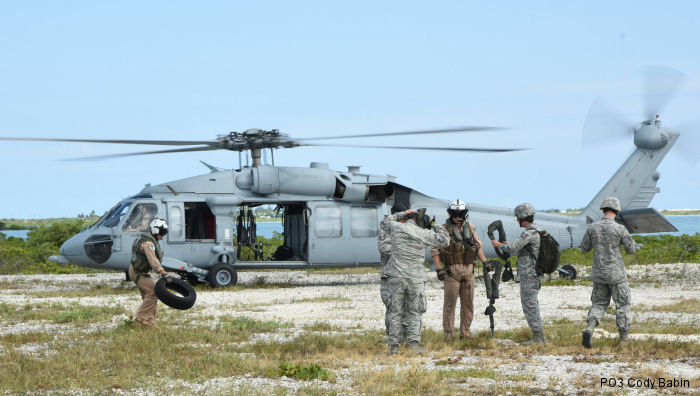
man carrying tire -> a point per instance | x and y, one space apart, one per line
608 274
146 256
455 266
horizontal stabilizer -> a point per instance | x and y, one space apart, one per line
645 220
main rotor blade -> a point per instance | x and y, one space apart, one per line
418 132
119 141
660 84
602 125
481 150
103 157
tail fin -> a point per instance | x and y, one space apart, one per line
634 184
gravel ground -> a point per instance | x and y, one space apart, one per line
351 302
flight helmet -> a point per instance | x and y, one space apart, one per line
457 209
158 227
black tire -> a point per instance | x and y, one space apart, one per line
183 298
222 275
571 270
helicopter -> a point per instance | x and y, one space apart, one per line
330 218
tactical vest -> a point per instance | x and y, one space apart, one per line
138 258
460 250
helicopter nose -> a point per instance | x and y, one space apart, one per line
73 249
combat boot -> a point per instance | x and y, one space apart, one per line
586 338
537 338
394 349
416 348
623 336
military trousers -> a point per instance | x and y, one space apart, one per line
459 285
385 294
529 289
149 305
407 298
600 299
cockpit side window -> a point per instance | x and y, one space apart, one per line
140 217
117 214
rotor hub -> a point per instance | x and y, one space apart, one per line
255 139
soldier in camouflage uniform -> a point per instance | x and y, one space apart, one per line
458 261
609 276
146 256
527 248
407 274
384 242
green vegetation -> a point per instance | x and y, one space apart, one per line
269 246
27 224
31 256
672 212
303 372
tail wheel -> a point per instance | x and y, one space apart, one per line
222 275
571 272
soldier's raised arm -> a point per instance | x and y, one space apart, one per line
438 237
388 221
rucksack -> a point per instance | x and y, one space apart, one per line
549 255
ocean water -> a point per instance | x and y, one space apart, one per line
686 224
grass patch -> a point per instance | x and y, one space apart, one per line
58 313
687 305
304 372
317 299
322 326
99 290
127 357
341 271
246 325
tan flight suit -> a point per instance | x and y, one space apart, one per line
459 258
147 246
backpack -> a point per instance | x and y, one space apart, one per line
549 255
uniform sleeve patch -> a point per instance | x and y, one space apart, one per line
153 248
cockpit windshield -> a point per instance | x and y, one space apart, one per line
112 217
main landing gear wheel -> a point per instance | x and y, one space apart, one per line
222 275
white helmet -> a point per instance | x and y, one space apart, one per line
158 227
457 209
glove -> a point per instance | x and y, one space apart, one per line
448 272
167 278
441 274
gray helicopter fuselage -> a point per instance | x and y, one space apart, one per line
331 218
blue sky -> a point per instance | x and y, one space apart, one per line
186 70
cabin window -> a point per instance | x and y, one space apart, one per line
175 223
140 218
363 221
200 222
114 217
327 221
